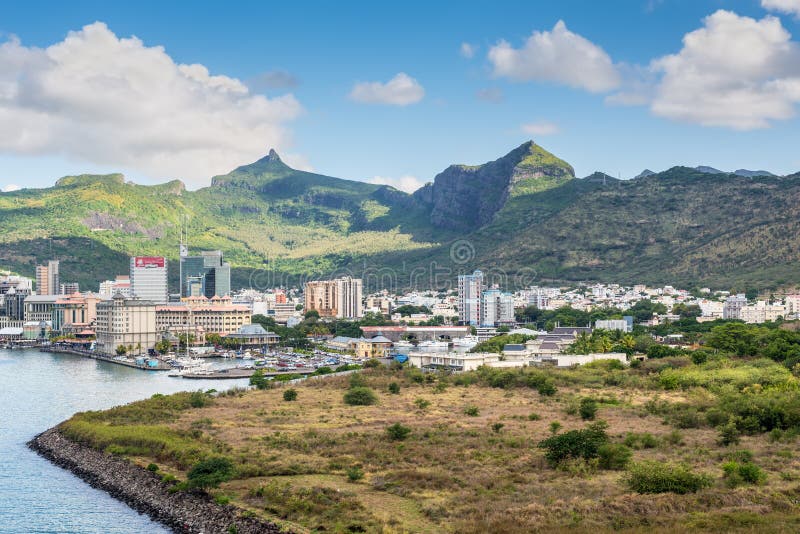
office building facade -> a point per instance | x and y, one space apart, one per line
206 275
148 278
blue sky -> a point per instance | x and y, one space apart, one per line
323 49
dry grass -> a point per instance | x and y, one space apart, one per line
454 473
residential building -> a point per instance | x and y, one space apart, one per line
17 283
121 285
470 290
733 306
453 361
340 298
762 312
376 347
205 275
623 325
417 333
128 322
47 278
497 308
792 303
68 288
217 315
148 278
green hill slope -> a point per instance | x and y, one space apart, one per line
523 217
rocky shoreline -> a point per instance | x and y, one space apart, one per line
185 512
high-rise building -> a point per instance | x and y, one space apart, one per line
206 275
340 298
497 308
47 279
149 278
470 290
69 288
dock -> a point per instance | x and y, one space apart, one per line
222 374
162 366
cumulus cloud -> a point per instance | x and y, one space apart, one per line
117 102
10 187
467 50
491 94
735 72
407 183
558 56
791 7
401 90
540 128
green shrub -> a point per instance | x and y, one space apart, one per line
656 477
258 380
547 388
728 434
472 411
497 427
575 443
533 416
588 409
613 456
357 380
355 473
152 468
360 396
210 473
555 426
740 473
422 403
397 432
222 499
290 395
394 388
198 399
372 363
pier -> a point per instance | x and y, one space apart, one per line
233 373
162 366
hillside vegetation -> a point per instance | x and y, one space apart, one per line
523 217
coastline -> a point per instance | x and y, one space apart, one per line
184 512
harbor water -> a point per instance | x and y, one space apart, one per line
37 391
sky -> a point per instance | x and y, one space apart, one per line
394 92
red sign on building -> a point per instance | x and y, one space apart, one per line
149 261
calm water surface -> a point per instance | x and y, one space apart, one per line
39 390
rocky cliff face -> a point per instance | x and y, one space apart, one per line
465 198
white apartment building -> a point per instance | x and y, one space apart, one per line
127 322
149 278
761 312
497 308
121 285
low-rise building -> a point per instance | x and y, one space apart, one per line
376 347
254 335
452 361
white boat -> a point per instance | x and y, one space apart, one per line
433 345
403 345
466 342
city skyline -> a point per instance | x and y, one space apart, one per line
376 106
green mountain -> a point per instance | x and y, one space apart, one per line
523 218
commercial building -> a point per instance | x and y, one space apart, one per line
126 322
204 275
497 308
340 298
470 290
68 288
254 335
149 278
39 307
74 313
217 315
121 285
48 281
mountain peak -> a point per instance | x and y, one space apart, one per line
273 156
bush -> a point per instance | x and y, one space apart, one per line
497 427
355 473
210 473
198 399
258 380
422 403
656 477
739 473
613 456
575 443
357 380
394 388
360 396
588 409
533 416
641 441
728 434
152 468
372 363
290 395
472 411
398 432
547 388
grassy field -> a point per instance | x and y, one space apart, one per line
462 453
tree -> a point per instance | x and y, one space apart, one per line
311 314
210 473
258 380
122 350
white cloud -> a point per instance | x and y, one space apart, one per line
735 72
540 128
298 161
791 7
10 187
119 103
558 56
407 183
401 90
467 50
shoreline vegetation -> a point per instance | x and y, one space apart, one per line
673 444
